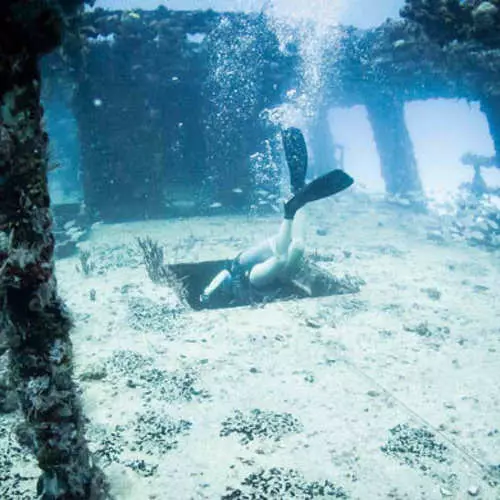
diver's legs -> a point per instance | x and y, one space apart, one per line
256 254
297 246
294 257
266 272
283 239
285 258
300 224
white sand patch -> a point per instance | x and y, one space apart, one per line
419 344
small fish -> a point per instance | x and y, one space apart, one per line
73 230
238 190
134 15
75 236
216 205
476 235
493 225
184 203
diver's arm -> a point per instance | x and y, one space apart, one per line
222 280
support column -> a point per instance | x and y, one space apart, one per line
490 106
394 145
32 315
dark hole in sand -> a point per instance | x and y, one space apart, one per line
310 281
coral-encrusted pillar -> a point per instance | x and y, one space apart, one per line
395 148
32 316
490 106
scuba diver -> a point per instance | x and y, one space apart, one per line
259 271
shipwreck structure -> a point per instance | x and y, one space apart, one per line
152 116
169 103
34 323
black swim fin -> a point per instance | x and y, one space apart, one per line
327 185
295 148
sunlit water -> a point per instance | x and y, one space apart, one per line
311 27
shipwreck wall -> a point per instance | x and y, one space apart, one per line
169 103
465 36
157 109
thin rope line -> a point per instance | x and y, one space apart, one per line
461 449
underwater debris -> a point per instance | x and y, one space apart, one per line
388 250
472 219
71 227
87 264
423 329
110 444
477 186
141 467
478 221
179 385
153 259
493 476
316 256
473 491
415 446
260 424
125 362
8 397
17 461
157 271
432 293
93 372
145 314
108 257
279 483
159 433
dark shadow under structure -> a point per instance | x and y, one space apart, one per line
311 281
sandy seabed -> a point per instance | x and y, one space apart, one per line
389 393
